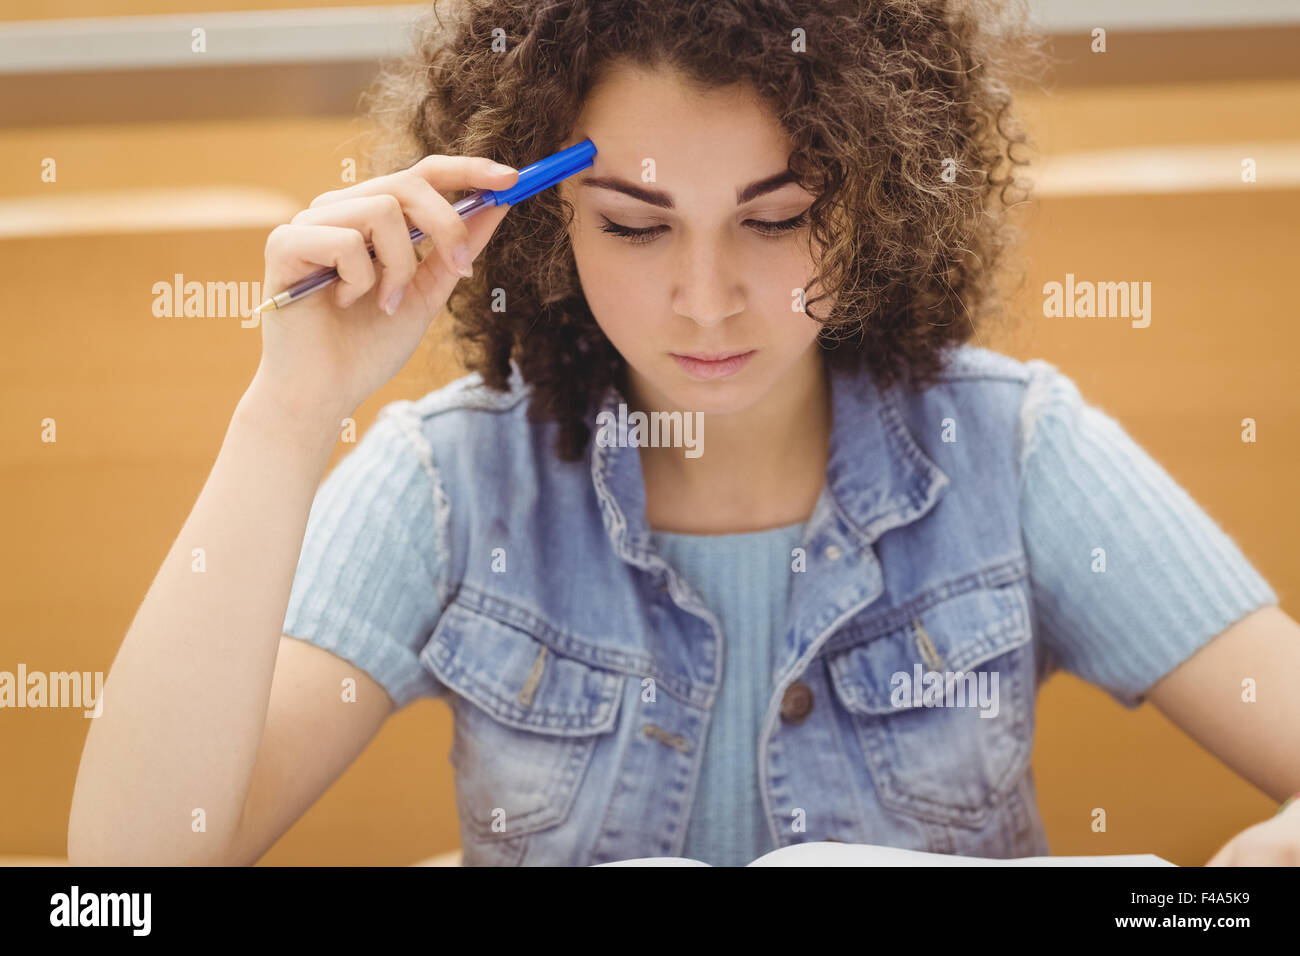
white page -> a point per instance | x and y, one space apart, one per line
655 861
862 854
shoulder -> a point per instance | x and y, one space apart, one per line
459 411
1040 379
1042 393
1026 400
454 430
464 398
975 385
414 441
973 363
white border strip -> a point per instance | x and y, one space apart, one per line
1071 16
318 35
174 209
340 34
1179 168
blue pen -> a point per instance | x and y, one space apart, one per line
532 180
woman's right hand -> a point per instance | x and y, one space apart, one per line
329 351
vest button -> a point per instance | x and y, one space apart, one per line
832 552
796 703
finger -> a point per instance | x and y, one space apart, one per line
418 188
293 250
381 220
464 172
420 203
443 173
434 280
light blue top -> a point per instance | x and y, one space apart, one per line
995 524
745 580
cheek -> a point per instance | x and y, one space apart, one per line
780 300
795 332
619 296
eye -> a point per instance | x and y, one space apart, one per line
762 226
628 233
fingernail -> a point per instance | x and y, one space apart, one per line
462 259
393 301
500 169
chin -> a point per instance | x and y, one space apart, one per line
713 398
725 396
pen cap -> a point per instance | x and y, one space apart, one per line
547 172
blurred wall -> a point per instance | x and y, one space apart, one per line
142 402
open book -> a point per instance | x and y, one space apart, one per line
864 854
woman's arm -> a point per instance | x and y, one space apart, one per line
1206 697
1140 592
186 699
1260 739
311 737
185 733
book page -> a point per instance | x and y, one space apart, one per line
863 854
658 861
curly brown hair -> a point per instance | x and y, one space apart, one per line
885 102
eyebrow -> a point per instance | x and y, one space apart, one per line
661 199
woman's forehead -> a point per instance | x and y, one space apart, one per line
682 148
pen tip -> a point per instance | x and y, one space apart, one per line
265 305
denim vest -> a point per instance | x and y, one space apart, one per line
581 669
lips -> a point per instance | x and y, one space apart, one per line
711 365
711 356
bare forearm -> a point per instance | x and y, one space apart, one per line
186 699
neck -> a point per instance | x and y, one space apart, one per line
762 467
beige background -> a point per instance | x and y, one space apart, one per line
142 403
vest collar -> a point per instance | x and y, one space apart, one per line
877 476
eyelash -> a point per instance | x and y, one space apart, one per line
771 230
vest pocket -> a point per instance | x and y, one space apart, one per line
526 724
942 703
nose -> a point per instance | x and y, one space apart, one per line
707 288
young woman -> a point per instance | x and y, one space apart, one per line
830 623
